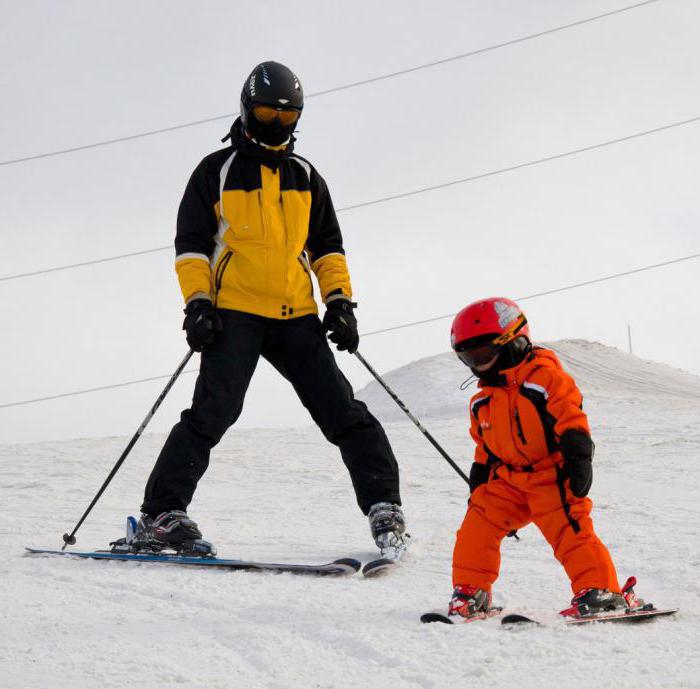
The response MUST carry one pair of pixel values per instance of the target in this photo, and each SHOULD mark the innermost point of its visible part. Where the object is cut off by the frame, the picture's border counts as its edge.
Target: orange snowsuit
(516, 428)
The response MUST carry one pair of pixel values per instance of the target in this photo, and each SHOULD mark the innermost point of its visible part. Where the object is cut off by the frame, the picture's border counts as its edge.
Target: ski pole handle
(69, 539)
(406, 411)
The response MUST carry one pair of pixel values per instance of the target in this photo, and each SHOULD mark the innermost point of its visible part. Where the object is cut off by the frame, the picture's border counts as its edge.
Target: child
(532, 464)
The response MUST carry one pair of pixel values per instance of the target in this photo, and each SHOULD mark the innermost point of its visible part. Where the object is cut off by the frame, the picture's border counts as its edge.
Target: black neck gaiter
(249, 148)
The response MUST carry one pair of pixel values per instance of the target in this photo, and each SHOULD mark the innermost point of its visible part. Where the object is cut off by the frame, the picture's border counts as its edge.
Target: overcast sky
(80, 72)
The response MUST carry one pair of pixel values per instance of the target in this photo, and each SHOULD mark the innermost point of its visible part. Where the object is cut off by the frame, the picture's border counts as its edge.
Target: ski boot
(169, 531)
(468, 602)
(592, 602)
(633, 601)
(388, 526)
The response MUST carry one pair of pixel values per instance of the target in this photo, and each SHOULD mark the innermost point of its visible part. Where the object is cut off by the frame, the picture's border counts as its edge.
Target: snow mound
(430, 387)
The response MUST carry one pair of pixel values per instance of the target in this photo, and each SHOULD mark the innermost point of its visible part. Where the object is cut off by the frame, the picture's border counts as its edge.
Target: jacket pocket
(296, 210)
(243, 214)
(219, 274)
(302, 258)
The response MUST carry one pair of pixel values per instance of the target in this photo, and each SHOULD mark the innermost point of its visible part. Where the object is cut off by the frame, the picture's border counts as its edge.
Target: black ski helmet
(275, 85)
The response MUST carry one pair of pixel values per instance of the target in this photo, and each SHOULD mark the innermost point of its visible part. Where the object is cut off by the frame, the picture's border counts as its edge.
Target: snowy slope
(285, 495)
(433, 384)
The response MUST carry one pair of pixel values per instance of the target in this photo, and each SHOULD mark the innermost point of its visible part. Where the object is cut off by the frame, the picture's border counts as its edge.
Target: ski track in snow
(285, 495)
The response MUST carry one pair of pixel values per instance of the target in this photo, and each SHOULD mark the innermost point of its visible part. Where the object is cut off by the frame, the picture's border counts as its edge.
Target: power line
(488, 49)
(373, 332)
(89, 390)
(519, 166)
(85, 263)
(543, 294)
(335, 89)
(402, 195)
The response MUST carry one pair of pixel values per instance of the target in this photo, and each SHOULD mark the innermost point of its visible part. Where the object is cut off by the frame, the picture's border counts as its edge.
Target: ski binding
(389, 557)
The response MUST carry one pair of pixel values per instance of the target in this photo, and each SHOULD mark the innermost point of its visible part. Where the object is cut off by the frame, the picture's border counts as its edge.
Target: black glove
(202, 323)
(478, 475)
(577, 449)
(342, 324)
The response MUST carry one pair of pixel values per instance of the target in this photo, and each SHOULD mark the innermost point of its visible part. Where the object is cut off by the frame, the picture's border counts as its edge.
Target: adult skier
(532, 463)
(255, 220)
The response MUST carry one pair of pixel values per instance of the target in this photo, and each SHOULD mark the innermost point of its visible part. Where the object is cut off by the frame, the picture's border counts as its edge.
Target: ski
(624, 616)
(437, 616)
(343, 566)
(514, 618)
(389, 558)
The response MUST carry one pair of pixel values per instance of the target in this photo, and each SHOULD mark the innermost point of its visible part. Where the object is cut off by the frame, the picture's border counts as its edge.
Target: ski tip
(41, 551)
(434, 616)
(350, 562)
(375, 567)
(514, 618)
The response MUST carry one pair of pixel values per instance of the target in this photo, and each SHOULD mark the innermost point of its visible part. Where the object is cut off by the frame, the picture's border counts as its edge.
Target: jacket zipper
(220, 274)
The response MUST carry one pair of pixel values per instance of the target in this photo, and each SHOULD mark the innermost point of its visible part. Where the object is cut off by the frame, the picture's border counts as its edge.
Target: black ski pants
(299, 350)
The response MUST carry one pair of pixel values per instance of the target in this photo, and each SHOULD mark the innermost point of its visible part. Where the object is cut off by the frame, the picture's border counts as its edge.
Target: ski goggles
(478, 356)
(477, 352)
(268, 113)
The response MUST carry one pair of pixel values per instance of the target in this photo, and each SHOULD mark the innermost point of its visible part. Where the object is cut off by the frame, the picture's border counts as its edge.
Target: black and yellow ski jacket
(252, 224)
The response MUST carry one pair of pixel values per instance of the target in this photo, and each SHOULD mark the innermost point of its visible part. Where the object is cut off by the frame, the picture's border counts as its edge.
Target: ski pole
(406, 411)
(69, 539)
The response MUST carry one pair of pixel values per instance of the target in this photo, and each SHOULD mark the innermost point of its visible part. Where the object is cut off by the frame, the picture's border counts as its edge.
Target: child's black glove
(202, 323)
(577, 449)
(478, 475)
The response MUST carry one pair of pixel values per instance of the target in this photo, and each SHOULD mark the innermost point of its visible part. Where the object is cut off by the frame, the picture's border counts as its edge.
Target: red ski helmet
(482, 328)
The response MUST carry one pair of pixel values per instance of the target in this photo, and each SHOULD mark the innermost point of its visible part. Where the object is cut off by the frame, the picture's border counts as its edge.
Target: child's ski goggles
(480, 350)
(478, 356)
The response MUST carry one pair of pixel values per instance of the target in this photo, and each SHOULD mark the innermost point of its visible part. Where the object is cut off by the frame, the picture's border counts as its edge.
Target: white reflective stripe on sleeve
(538, 388)
(188, 256)
(334, 253)
(184, 257)
(198, 295)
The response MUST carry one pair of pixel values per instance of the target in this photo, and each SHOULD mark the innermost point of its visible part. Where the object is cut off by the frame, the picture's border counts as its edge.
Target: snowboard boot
(589, 602)
(468, 601)
(388, 527)
(172, 530)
